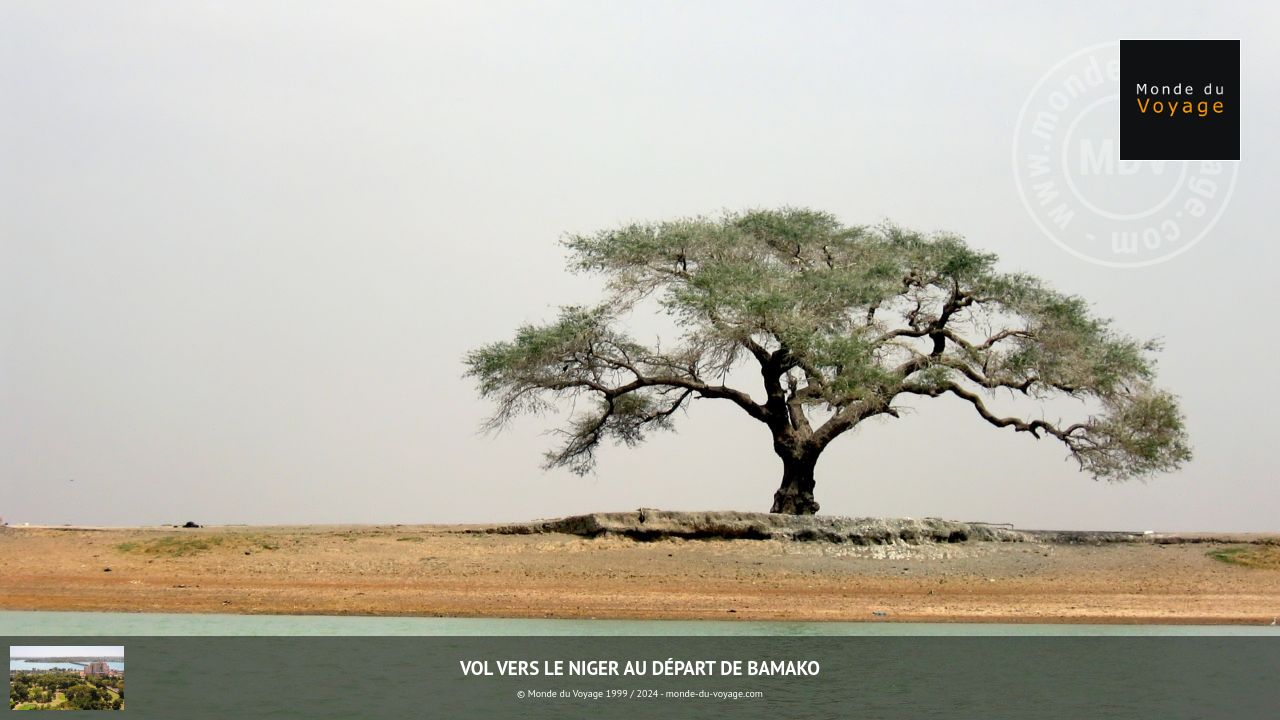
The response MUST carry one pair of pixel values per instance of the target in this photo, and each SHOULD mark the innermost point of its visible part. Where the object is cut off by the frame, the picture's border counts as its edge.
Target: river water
(24, 623)
(31, 665)
(396, 667)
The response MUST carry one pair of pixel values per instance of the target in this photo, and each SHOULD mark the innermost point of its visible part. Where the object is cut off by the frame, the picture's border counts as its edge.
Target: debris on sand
(647, 524)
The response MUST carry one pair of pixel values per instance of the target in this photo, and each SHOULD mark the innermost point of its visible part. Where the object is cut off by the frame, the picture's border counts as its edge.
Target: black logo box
(1160, 77)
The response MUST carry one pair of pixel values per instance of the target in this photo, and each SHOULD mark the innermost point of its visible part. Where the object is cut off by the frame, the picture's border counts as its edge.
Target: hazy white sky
(244, 247)
(44, 651)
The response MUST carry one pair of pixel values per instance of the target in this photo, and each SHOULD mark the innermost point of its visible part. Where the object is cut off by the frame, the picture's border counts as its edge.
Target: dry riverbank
(453, 571)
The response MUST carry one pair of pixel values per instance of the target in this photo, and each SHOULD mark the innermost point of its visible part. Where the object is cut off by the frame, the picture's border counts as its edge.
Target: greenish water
(19, 623)
(31, 665)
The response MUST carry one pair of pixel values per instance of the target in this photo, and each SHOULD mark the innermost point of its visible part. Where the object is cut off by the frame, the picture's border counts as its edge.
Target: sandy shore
(442, 571)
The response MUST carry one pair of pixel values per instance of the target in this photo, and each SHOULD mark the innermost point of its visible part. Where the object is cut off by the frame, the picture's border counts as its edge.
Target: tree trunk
(795, 496)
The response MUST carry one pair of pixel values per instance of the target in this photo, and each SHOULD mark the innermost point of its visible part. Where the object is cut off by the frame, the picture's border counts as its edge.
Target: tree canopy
(842, 322)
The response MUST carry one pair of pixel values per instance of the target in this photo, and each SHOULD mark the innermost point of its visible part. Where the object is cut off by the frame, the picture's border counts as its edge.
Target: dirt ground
(442, 571)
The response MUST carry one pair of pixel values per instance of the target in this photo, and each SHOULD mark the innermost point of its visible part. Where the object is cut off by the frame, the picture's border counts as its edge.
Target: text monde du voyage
(612, 668)
(1179, 100)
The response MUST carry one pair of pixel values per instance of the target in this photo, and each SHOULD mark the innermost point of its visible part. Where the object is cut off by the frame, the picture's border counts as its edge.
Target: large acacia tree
(843, 325)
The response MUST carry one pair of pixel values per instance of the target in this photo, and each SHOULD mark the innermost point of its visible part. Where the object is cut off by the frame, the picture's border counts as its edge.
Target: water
(24, 623)
(886, 673)
(31, 665)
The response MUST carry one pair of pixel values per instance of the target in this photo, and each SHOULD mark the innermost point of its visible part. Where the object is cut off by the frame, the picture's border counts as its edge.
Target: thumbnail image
(66, 677)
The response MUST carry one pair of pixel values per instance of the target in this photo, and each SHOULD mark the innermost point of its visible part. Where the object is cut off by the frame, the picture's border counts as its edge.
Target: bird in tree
(843, 324)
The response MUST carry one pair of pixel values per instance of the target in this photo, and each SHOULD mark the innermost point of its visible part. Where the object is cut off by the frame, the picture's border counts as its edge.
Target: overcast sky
(245, 246)
(48, 651)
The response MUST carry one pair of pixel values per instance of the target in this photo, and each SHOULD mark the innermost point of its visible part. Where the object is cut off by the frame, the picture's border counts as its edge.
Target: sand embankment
(595, 567)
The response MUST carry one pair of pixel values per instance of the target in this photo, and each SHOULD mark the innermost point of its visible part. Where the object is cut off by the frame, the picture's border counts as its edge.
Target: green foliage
(62, 690)
(842, 321)
(88, 697)
(181, 544)
(1250, 556)
(625, 418)
(1142, 432)
(173, 545)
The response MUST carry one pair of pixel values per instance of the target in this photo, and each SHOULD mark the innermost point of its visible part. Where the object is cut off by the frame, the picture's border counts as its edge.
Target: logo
(1180, 99)
(1097, 204)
